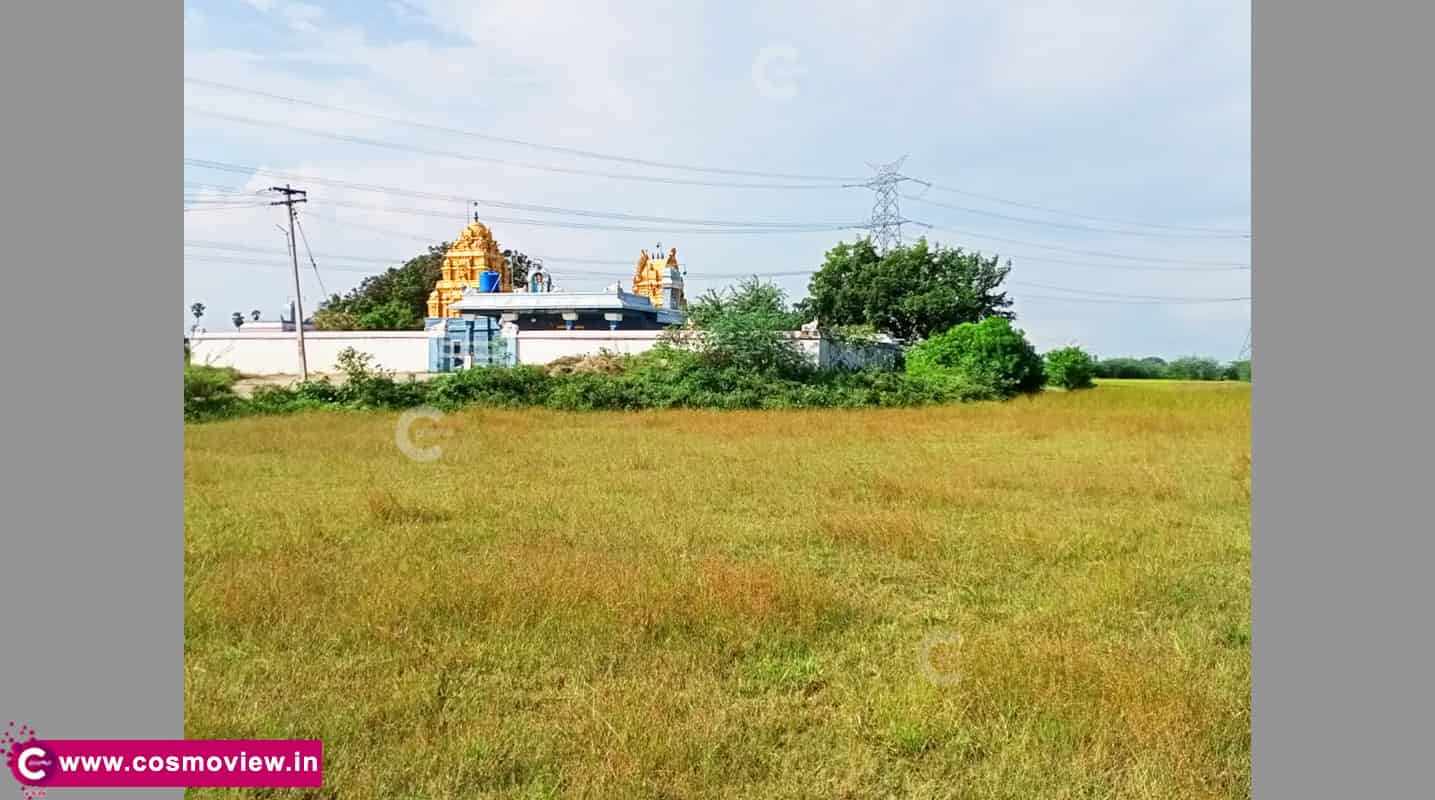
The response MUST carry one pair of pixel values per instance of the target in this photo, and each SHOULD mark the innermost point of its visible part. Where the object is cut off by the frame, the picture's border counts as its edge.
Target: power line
(721, 170)
(282, 263)
(1119, 295)
(205, 257)
(518, 142)
(1099, 253)
(429, 212)
(546, 209)
(305, 238)
(465, 200)
(500, 161)
(226, 207)
(1052, 224)
(1049, 210)
(606, 276)
(205, 244)
(209, 244)
(1197, 301)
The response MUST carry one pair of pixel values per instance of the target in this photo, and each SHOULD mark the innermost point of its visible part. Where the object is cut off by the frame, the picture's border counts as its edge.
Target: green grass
(735, 604)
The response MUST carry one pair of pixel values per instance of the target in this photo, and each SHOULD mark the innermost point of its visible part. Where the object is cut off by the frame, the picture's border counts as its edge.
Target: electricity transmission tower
(885, 227)
(1246, 347)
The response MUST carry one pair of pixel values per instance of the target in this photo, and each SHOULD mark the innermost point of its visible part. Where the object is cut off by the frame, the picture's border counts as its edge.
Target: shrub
(746, 327)
(205, 383)
(209, 392)
(988, 358)
(1070, 368)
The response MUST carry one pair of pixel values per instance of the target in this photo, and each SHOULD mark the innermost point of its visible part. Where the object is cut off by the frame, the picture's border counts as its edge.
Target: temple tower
(473, 254)
(658, 278)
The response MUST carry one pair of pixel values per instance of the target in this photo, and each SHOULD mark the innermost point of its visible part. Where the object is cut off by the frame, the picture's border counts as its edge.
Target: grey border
(91, 565)
(1342, 704)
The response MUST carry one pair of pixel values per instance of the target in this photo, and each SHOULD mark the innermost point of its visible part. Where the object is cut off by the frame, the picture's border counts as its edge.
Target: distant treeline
(1190, 368)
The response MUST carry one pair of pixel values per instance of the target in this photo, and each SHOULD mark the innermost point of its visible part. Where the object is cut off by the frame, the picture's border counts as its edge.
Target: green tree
(238, 320)
(1070, 368)
(1195, 368)
(372, 304)
(989, 357)
(747, 328)
(397, 299)
(197, 309)
(910, 292)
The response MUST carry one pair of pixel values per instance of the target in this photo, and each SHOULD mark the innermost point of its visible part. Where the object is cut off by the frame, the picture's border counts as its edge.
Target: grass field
(1047, 598)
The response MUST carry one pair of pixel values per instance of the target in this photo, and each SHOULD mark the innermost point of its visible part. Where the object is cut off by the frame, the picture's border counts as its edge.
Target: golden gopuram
(473, 254)
(656, 271)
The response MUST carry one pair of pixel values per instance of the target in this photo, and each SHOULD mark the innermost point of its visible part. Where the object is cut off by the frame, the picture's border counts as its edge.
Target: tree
(990, 357)
(910, 292)
(197, 309)
(747, 328)
(397, 299)
(1070, 368)
(1195, 368)
(254, 315)
(238, 320)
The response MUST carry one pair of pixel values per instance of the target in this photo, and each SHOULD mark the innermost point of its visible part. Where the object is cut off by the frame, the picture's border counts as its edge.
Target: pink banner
(156, 763)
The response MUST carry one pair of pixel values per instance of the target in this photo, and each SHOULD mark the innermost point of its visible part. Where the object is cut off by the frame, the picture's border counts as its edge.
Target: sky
(1077, 118)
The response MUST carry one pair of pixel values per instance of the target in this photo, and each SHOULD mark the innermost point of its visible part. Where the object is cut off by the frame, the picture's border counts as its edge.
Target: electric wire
(482, 201)
(341, 137)
(573, 151)
(1050, 210)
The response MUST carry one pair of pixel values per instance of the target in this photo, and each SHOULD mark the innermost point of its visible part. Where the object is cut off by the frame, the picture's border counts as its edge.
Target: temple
(480, 313)
(658, 278)
(476, 305)
(474, 261)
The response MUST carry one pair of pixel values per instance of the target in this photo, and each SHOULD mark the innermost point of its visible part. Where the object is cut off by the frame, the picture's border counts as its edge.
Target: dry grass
(706, 604)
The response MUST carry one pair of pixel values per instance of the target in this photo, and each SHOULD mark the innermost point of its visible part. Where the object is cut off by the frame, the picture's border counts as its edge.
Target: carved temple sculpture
(473, 254)
(655, 273)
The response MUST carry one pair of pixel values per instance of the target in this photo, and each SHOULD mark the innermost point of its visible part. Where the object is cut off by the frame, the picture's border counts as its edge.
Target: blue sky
(1109, 108)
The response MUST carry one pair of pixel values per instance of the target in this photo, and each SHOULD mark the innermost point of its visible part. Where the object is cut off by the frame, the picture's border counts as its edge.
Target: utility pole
(292, 196)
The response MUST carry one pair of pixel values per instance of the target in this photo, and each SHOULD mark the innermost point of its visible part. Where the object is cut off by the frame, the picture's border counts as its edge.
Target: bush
(747, 328)
(209, 392)
(1070, 368)
(988, 358)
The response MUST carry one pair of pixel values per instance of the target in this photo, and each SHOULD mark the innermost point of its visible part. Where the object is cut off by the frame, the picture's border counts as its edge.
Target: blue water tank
(488, 281)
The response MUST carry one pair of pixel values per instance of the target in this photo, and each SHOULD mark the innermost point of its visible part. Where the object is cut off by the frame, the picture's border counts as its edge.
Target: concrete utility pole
(289, 200)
